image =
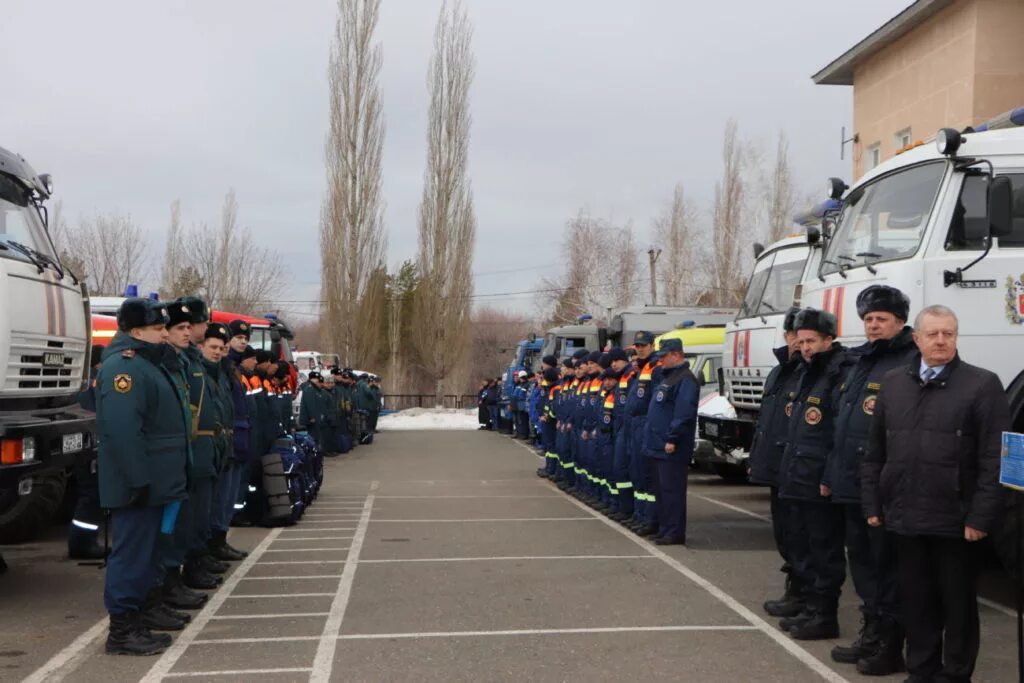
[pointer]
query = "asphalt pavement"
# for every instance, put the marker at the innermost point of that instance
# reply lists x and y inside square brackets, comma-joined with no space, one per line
[440,556]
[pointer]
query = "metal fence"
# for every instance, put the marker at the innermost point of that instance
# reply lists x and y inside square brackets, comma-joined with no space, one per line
[403,401]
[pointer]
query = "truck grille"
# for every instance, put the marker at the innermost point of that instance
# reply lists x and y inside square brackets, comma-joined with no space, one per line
[745,392]
[42,365]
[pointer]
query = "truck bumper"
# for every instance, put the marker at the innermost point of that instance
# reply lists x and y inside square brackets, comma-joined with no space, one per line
[726,433]
[48,429]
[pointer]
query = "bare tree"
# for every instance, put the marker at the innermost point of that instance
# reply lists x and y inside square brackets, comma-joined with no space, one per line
[234,274]
[170,269]
[447,224]
[676,235]
[108,250]
[729,232]
[780,199]
[602,269]
[352,242]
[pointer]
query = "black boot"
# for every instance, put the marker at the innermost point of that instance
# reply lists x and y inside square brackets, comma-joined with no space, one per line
[789,623]
[127,636]
[823,624]
[153,616]
[211,565]
[888,656]
[83,545]
[790,604]
[865,645]
[194,576]
[177,595]
[220,550]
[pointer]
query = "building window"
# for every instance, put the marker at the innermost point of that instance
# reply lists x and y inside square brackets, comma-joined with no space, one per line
[874,155]
[903,138]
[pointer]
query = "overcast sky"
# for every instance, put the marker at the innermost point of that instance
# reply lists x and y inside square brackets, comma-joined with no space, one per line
[596,103]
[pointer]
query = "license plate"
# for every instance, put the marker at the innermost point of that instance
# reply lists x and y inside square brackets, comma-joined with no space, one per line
[53,359]
[72,442]
[711,429]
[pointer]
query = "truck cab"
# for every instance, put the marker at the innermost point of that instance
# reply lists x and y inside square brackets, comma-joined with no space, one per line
[44,349]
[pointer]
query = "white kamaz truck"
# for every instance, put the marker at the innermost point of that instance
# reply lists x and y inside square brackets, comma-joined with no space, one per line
[44,346]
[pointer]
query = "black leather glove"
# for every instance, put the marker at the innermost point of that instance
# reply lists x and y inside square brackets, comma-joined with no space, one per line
[139,497]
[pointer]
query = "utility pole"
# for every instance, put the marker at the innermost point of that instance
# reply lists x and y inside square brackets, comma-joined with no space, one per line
[652,255]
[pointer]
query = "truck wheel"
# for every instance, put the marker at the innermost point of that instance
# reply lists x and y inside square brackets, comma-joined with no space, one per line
[734,474]
[23,518]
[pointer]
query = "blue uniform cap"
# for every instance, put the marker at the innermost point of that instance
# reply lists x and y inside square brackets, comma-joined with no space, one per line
[671,345]
[643,337]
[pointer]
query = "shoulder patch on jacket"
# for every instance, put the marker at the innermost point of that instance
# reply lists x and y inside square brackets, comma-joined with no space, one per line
[128,353]
[122,383]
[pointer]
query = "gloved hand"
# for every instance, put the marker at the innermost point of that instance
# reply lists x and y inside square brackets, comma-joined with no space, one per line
[139,497]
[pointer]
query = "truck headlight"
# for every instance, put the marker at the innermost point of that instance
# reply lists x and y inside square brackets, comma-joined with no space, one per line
[28,449]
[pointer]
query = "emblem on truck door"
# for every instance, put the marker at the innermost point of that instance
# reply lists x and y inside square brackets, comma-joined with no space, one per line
[1015,299]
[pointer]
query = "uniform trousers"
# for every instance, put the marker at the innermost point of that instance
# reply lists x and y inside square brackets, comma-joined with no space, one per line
[226,494]
[620,478]
[792,541]
[824,522]
[938,586]
[872,559]
[132,567]
[670,480]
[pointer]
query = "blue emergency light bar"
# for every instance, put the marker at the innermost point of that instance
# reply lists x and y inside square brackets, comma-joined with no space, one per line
[269,316]
[584,318]
[131,291]
[153,296]
[1009,119]
[813,215]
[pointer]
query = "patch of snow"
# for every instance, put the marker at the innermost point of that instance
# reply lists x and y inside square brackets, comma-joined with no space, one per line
[429,418]
[716,405]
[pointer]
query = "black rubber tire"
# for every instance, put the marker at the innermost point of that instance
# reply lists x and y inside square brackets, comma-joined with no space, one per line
[734,474]
[23,518]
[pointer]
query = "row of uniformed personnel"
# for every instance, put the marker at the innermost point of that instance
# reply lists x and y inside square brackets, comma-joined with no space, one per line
[882,457]
[619,433]
[184,407]
[340,409]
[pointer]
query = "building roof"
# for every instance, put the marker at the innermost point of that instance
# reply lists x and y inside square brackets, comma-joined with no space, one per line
[840,71]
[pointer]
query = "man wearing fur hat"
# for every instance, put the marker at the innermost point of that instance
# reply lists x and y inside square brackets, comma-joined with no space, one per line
[142,426]
[810,439]
[890,344]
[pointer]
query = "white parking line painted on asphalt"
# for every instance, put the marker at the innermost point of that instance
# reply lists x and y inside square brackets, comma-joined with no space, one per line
[282,615]
[486,519]
[169,658]
[320,528]
[290,578]
[993,605]
[470,634]
[805,657]
[262,564]
[511,558]
[323,663]
[306,550]
[552,497]
[236,672]
[239,596]
[542,632]
[734,508]
[71,657]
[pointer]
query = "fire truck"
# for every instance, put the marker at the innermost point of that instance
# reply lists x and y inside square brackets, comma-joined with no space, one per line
[747,356]
[44,342]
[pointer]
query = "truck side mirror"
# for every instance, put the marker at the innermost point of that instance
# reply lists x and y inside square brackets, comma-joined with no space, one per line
[1000,206]
[758,249]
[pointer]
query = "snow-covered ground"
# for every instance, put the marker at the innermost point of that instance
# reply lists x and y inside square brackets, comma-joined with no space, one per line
[429,418]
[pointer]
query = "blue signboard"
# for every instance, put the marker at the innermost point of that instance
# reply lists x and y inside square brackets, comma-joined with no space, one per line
[1011,465]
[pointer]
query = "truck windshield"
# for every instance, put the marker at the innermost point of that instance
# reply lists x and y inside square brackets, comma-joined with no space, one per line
[19,221]
[771,286]
[884,220]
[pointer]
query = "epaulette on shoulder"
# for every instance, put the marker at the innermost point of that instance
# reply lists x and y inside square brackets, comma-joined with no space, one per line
[128,353]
